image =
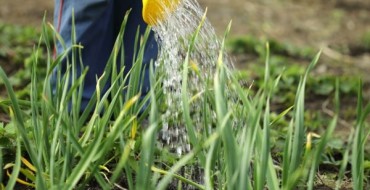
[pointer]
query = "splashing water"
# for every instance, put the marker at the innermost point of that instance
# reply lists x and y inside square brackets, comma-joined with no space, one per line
[174,34]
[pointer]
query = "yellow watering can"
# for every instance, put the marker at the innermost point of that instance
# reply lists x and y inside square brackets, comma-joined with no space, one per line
[155,10]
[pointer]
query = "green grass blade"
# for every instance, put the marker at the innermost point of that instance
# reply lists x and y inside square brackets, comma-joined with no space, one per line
[16,168]
[324,139]
[143,180]
[299,131]
[147,159]
[210,162]
[360,138]
[265,149]
[249,134]
[287,154]
[181,178]
[1,165]
[273,182]
[191,131]
[230,148]
[18,117]
[319,150]
[108,69]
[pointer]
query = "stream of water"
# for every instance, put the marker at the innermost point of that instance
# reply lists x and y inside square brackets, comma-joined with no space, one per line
[174,34]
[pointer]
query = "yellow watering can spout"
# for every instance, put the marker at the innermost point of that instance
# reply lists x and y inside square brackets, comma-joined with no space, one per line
[156,10]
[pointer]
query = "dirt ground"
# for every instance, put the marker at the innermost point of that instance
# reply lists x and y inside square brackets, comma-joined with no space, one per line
[326,25]
[329,25]
[302,22]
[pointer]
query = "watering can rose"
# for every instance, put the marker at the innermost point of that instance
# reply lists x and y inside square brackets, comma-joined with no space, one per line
[157,10]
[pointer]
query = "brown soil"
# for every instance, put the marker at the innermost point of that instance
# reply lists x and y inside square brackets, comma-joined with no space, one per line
[301,22]
[25,12]
[336,26]
[329,25]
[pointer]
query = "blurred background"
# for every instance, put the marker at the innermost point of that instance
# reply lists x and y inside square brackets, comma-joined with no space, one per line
[295,29]
[338,24]
[340,27]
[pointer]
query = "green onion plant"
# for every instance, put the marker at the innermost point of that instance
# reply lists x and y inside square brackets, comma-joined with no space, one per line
[113,141]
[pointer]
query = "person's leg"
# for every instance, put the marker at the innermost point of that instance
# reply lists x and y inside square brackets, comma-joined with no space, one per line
[93,28]
[97,24]
[135,21]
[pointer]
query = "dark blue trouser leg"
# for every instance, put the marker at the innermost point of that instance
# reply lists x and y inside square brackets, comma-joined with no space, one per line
[97,24]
